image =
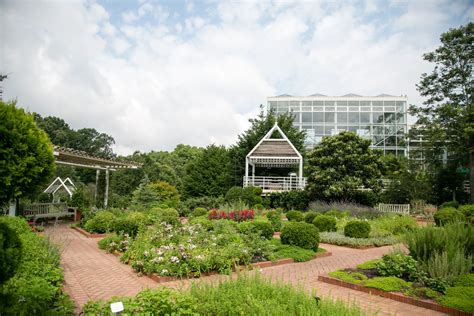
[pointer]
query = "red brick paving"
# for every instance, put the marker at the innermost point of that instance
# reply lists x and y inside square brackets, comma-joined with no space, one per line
[91,274]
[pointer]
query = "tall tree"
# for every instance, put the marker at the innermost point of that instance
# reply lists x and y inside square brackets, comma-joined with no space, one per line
[448,114]
[260,126]
[342,164]
[208,175]
[26,154]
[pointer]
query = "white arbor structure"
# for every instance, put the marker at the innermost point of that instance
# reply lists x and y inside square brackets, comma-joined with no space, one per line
[277,153]
[67,185]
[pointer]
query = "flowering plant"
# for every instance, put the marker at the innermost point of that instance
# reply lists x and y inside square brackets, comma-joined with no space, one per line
[232,215]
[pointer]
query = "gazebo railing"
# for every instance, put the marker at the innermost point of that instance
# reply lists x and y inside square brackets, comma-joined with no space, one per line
[275,184]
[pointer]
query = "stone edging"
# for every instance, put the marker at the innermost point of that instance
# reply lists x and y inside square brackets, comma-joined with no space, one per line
[87,234]
[395,296]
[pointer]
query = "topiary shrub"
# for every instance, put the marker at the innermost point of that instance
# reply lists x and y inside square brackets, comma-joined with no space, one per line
[274,216]
[130,223]
[448,215]
[294,216]
[10,252]
[325,223]
[199,211]
[102,222]
[259,227]
[168,216]
[310,216]
[258,207]
[300,234]
[357,229]
[454,204]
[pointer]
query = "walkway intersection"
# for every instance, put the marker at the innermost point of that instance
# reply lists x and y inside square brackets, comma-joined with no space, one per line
[92,274]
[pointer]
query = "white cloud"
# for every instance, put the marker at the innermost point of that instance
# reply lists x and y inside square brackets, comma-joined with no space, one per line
[152,81]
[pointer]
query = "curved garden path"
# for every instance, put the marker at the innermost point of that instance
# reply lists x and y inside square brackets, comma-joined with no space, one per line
[92,274]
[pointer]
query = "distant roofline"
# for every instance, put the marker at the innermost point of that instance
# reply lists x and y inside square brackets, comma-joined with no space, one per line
[345,96]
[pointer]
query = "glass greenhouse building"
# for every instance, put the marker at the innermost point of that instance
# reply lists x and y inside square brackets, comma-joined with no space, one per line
[382,118]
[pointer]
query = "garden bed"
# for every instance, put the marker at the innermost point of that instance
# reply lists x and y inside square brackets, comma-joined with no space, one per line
[338,239]
[394,296]
[87,234]
[264,264]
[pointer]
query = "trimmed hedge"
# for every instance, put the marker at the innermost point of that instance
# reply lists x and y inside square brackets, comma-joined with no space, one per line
[259,227]
[310,216]
[325,223]
[294,216]
[357,229]
[300,234]
[199,211]
[10,252]
[102,222]
[448,215]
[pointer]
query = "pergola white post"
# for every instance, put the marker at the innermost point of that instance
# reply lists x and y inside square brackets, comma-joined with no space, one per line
[246,171]
[300,174]
[97,172]
[106,195]
[253,175]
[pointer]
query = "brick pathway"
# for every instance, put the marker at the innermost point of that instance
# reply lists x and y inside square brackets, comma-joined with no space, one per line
[90,273]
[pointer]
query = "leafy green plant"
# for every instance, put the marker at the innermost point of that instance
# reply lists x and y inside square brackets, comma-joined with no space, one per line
[337,238]
[468,211]
[310,216]
[102,222]
[357,229]
[394,224]
[258,227]
[291,200]
[459,297]
[450,204]
[167,215]
[274,216]
[371,264]
[447,268]
[294,252]
[199,211]
[398,265]
[294,216]
[300,234]
[10,252]
[448,215]
[325,223]
[465,280]
[349,276]
[337,214]
[388,284]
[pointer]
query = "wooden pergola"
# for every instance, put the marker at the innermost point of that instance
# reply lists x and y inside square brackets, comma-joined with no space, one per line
[77,158]
[277,153]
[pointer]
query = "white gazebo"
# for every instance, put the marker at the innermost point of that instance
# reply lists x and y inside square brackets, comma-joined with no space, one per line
[67,185]
[277,153]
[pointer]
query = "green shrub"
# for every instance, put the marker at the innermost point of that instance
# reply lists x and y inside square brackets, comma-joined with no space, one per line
[199,211]
[357,229]
[259,227]
[249,195]
[206,223]
[189,205]
[325,223]
[130,223]
[398,265]
[246,295]
[465,280]
[461,297]
[258,207]
[422,292]
[337,238]
[296,253]
[102,222]
[294,216]
[348,276]
[36,287]
[300,234]
[448,215]
[291,200]
[388,284]
[453,204]
[274,216]
[10,252]
[394,224]
[448,268]
[371,264]
[167,215]
[468,211]
[310,216]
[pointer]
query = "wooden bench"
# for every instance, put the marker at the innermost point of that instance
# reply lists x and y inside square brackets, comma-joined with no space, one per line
[36,211]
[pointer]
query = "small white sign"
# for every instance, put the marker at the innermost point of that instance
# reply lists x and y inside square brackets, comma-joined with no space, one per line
[116,307]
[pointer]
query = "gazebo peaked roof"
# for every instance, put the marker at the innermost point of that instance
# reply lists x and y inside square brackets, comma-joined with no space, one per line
[274,152]
[59,183]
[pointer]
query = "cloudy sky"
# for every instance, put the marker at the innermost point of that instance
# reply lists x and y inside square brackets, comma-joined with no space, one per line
[154,74]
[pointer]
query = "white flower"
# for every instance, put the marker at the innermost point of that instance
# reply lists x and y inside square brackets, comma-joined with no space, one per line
[164,272]
[146,253]
[191,247]
[157,260]
[199,257]
[174,259]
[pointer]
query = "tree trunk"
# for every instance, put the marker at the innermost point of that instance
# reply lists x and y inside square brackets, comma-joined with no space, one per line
[471,175]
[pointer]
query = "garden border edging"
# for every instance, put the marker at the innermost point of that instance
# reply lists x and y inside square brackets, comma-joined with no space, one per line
[394,296]
[87,234]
